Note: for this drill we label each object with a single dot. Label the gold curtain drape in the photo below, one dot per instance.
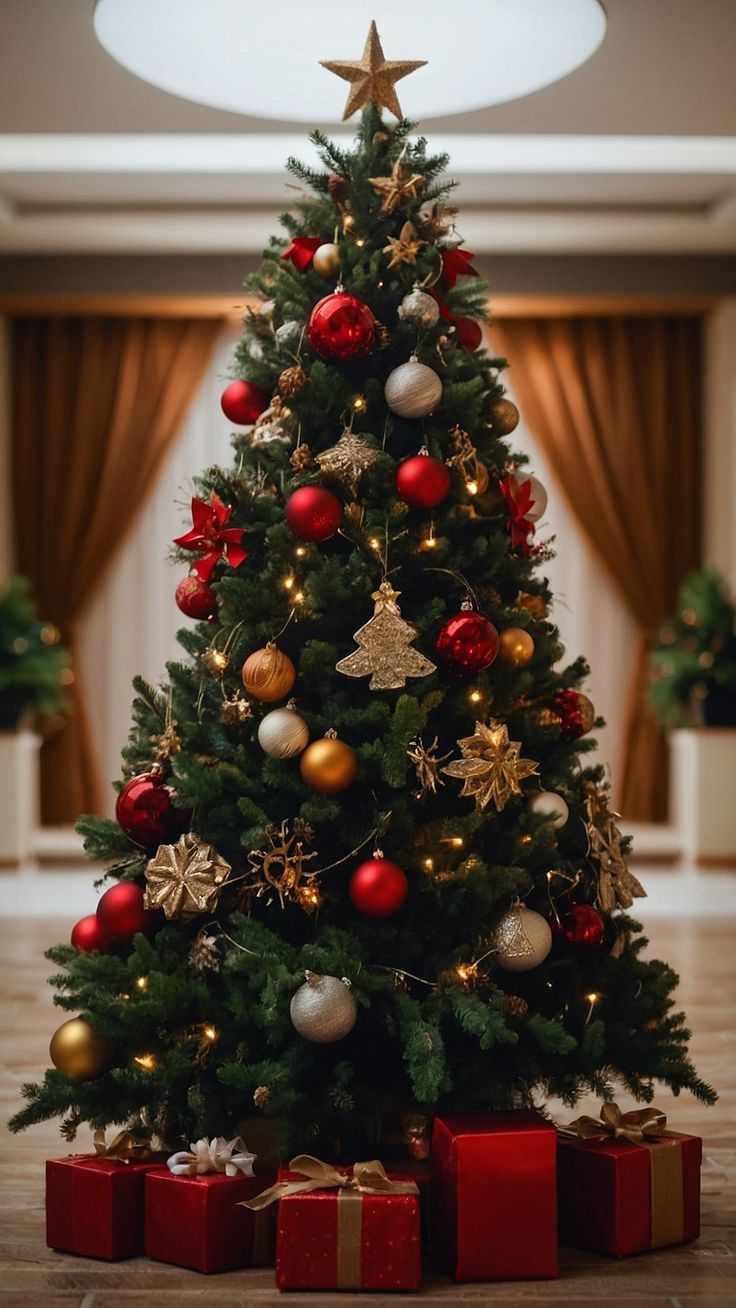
(615, 404)
(97, 405)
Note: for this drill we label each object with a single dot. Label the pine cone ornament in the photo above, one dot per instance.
(261, 1095)
(515, 1007)
(292, 381)
(204, 955)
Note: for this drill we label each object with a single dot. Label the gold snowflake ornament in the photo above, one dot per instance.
(491, 767)
(186, 878)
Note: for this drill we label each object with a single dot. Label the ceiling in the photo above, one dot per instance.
(94, 161)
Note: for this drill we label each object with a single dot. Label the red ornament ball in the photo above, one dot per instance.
(575, 711)
(314, 513)
(341, 327)
(195, 599)
(423, 482)
(89, 937)
(145, 810)
(469, 333)
(378, 887)
(121, 913)
(242, 402)
(468, 642)
(581, 927)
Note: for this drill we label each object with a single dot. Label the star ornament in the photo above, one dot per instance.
(347, 462)
(397, 190)
(372, 77)
(405, 247)
(185, 878)
(491, 767)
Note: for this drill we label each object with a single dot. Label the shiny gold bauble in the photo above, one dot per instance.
(329, 765)
(268, 674)
(520, 940)
(504, 416)
(79, 1052)
(534, 604)
(515, 646)
(326, 260)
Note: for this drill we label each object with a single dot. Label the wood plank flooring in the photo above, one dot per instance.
(703, 1274)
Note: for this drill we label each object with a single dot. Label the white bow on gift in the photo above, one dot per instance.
(217, 1155)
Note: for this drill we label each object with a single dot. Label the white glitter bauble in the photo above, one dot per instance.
(538, 494)
(323, 1010)
(520, 940)
(550, 805)
(413, 390)
(419, 308)
(283, 734)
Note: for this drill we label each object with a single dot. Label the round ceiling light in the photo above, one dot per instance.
(248, 58)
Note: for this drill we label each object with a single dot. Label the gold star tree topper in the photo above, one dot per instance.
(491, 767)
(372, 77)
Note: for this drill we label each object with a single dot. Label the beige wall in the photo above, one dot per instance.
(719, 536)
(6, 519)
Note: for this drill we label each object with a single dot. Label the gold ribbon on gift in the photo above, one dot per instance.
(124, 1148)
(365, 1178)
(645, 1127)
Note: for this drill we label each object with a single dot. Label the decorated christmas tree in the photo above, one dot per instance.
(360, 870)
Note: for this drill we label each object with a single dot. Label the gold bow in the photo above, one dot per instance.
(124, 1148)
(366, 1178)
(635, 1126)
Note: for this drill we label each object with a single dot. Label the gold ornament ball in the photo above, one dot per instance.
(504, 416)
(329, 766)
(326, 260)
(268, 674)
(515, 646)
(521, 939)
(323, 1010)
(79, 1052)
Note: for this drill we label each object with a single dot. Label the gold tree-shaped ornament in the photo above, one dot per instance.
(385, 652)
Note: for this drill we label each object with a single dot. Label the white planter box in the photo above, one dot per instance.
(19, 796)
(703, 801)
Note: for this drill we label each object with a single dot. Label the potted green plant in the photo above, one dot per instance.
(33, 664)
(693, 664)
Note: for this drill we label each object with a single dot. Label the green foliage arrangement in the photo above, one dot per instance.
(33, 664)
(693, 664)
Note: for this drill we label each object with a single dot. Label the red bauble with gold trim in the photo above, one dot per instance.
(195, 599)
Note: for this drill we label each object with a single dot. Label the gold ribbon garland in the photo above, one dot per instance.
(366, 1178)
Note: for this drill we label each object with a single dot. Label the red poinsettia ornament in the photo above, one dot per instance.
(212, 537)
(301, 251)
(519, 500)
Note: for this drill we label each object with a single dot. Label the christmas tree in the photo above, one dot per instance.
(360, 869)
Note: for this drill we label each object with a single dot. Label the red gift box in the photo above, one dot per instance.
(494, 1197)
(199, 1221)
(94, 1205)
(341, 1232)
(618, 1197)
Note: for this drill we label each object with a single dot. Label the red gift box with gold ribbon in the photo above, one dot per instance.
(627, 1185)
(344, 1230)
(493, 1197)
(94, 1202)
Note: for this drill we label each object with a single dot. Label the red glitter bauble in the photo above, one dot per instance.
(467, 642)
(423, 482)
(378, 887)
(341, 327)
(313, 513)
(145, 811)
(242, 402)
(121, 914)
(581, 927)
(575, 711)
(89, 937)
(469, 333)
(195, 599)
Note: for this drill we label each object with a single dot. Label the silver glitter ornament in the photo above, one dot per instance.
(521, 939)
(323, 1010)
(419, 308)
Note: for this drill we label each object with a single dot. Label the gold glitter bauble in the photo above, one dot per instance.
(79, 1052)
(268, 674)
(292, 381)
(326, 261)
(515, 646)
(323, 1010)
(520, 940)
(329, 765)
(504, 416)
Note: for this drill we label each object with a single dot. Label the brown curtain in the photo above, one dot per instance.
(97, 404)
(615, 405)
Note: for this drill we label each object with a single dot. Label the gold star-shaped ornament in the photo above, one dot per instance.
(405, 247)
(372, 77)
(491, 767)
(348, 461)
(398, 189)
(185, 878)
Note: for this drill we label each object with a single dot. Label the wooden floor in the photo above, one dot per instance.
(703, 1274)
